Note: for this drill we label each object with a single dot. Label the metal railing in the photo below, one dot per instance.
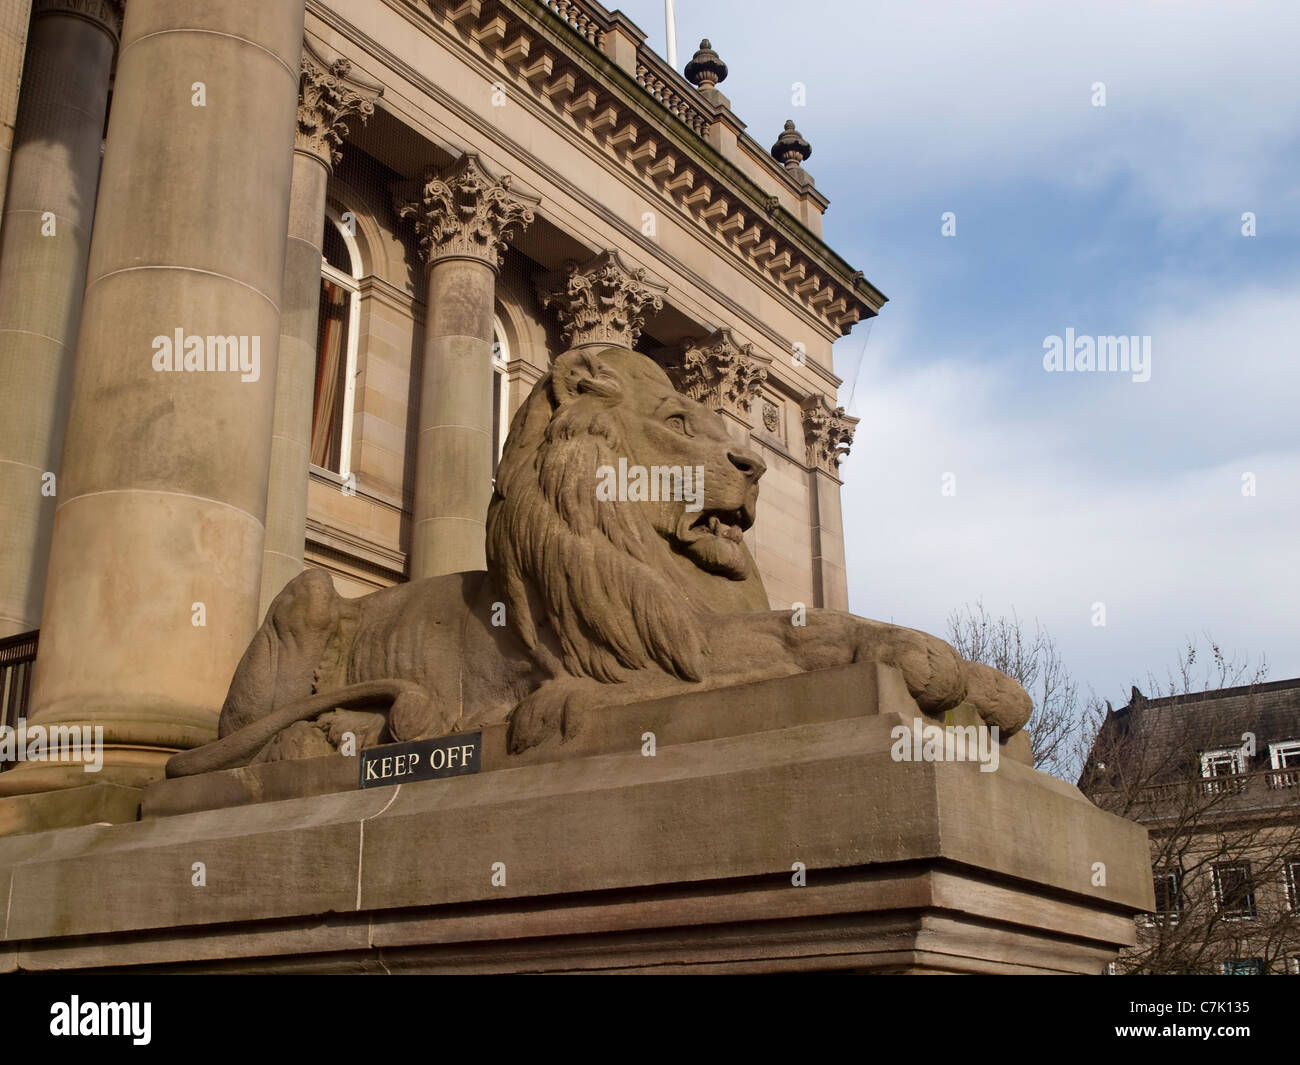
(17, 657)
(1284, 778)
(1225, 784)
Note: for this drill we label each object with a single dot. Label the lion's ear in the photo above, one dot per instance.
(581, 372)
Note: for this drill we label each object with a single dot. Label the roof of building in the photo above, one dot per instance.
(1189, 724)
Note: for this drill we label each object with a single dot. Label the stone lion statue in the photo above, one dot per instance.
(588, 601)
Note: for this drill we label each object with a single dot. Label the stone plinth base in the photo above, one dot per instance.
(49, 810)
(615, 861)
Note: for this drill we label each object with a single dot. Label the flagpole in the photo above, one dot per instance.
(672, 33)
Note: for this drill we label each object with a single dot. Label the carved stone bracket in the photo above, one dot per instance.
(719, 371)
(463, 211)
(328, 93)
(828, 432)
(601, 301)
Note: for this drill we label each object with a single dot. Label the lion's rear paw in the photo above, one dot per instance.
(302, 739)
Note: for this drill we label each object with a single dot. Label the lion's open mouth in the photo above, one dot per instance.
(728, 523)
(715, 539)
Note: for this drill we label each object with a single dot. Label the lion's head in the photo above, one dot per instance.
(618, 517)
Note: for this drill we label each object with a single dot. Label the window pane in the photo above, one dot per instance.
(1220, 765)
(1168, 899)
(1233, 888)
(335, 249)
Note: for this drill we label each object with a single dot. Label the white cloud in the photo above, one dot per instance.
(1202, 97)
(1107, 491)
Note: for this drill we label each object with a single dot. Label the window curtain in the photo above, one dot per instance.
(331, 356)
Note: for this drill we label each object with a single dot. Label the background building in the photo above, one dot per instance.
(1215, 777)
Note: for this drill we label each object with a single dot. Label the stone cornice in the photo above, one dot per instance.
(828, 434)
(375, 287)
(695, 280)
(719, 371)
(559, 66)
(601, 301)
(463, 211)
(328, 94)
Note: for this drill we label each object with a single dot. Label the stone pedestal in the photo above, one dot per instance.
(598, 857)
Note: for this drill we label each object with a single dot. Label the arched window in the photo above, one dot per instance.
(336, 348)
(500, 391)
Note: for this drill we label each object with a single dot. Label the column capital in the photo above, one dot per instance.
(828, 433)
(601, 301)
(719, 371)
(106, 14)
(328, 93)
(463, 211)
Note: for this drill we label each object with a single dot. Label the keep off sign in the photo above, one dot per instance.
(403, 763)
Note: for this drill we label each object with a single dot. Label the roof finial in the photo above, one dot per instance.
(790, 149)
(705, 69)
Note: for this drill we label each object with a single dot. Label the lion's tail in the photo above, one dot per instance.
(240, 747)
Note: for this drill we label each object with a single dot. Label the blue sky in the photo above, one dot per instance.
(1071, 489)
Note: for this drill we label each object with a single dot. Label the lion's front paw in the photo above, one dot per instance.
(934, 672)
(998, 698)
(552, 711)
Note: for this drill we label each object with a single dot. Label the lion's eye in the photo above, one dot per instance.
(677, 422)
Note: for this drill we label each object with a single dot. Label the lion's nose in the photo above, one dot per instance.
(748, 463)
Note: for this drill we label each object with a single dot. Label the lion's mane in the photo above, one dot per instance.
(590, 565)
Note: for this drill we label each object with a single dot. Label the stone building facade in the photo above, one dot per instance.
(274, 305)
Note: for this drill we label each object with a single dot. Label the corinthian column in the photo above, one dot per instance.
(464, 218)
(328, 94)
(157, 545)
(828, 434)
(44, 241)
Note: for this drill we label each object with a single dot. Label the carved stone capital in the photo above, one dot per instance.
(462, 211)
(329, 93)
(720, 372)
(106, 14)
(601, 301)
(828, 433)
